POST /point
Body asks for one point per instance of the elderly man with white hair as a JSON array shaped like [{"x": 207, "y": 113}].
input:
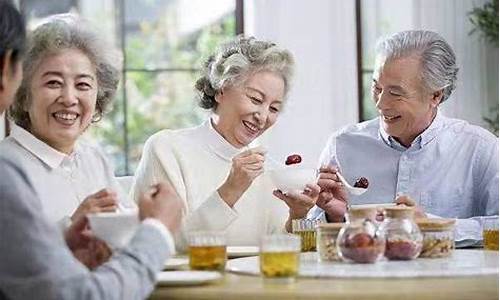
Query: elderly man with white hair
[{"x": 445, "y": 167}]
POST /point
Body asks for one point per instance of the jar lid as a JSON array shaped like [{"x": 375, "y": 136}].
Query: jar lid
[
  {"x": 362, "y": 212},
  {"x": 330, "y": 226},
  {"x": 304, "y": 224},
  {"x": 400, "y": 211},
  {"x": 426, "y": 224}
]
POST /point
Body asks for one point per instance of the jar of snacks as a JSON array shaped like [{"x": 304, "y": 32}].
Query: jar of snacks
[
  {"x": 326, "y": 241},
  {"x": 403, "y": 239},
  {"x": 359, "y": 239},
  {"x": 439, "y": 237},
  {"x": 306, "y": 229}
]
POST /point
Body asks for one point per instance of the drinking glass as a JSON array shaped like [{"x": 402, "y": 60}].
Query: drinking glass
[
  {"x": 490, "y": 233},
  {"x": 207, "y": 251},
  {"x": 280, "y": 257}
]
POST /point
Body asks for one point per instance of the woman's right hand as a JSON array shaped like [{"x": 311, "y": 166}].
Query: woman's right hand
[
  {"x": 104, "y": 200},
  {"x": 247, "y": 166}
]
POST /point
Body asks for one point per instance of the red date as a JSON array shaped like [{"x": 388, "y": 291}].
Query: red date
[
  {"x": 293, "y": 159},
  {"x": 362, "y": 182}
]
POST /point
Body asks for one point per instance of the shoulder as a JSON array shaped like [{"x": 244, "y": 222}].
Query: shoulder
[
  {"x": 10, "y": 148},
  {"x": 366, "y": 129},
  {"x": 469, "y": 133},
  {"x": 12, "y": 174},
  {"x": 168, "y": 138}
]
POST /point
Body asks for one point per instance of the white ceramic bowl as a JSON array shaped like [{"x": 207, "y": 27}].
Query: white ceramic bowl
[
  {"x": 292, "y": 179},
  {"x": 115, "y": 228}
]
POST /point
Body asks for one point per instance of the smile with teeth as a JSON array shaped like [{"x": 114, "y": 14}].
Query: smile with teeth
[
  {"x": 389, "y": 118},
  {"x": 65, "y": 116},
  {"x": 253, "y": 128}
]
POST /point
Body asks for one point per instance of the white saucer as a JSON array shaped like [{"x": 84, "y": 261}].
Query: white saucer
[
  {"x": 175, "y": 263},
  {"x": 242, "y": 251},
  {"x": 176, "y": 278}
]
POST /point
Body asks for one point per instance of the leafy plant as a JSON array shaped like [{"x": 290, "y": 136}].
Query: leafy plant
[{"x": 485, "y": 20}]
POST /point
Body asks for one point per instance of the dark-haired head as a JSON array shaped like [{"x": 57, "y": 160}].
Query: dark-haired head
[{"x": 12, "y": 43}]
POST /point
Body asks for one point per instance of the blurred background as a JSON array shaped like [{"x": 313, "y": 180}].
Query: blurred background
[{"x": 164, "y": 42}]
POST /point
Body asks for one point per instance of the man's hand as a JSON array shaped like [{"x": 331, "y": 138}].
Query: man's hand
[
  {"x": 332, "y": 197},
  {"x": 162, "y": 203},
  {"x": 104, "y": 200},
  {"x": 246, "y": 166},
  {"x": 406, "y": 200},
  {"x": 89, "y": 250}
]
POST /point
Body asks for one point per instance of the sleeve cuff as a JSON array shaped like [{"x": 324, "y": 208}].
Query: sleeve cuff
[
  {"x": 213, "y": 214},
  {"x": 164, "y": 232}
]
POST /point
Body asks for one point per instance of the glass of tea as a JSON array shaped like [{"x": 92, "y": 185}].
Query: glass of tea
[
  {"x": 207, "y": 251},
  {"x": 490, "y": 233},
  {"x": 280, "y": 257}
]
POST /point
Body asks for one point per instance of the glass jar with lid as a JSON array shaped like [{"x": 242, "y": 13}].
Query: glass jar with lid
[
  {"x": 438, "y": 237},
  {"x": 326, "y": 241},
  {"x": 403, "y": 239},
  {"x": 360, "y": 240},
  {"x": 306, "y": 229}
]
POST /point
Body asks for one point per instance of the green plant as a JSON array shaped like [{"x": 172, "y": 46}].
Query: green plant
[{"x": 485, "y": 20}]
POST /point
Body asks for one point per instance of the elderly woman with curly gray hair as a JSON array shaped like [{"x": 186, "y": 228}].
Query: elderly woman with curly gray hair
[
  {"x": 69, "y": 81},
  {"x": 217, "y": 167}
]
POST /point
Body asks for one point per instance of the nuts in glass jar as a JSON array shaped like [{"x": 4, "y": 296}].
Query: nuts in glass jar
[
  {"x": 326, "y": 241},
  {"x": 435, "y": 247},
  {"x": 439, "y": 240}
]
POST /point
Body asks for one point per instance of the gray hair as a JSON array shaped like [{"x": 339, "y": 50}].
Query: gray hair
[
  {"x": 439, "y": 68},
  {"x": 235, "y": 61},
  {"x": 62, "y": 32}
]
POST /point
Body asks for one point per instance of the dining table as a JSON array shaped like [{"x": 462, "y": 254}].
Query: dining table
[{"x": 241, "y": 286}]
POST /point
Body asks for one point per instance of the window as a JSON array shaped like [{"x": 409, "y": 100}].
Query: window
[
  {"x": 376, "y": 20},
  {"x": 163, "y": 43}
]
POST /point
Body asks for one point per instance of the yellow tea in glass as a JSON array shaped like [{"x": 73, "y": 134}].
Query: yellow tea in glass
[
  {"x": 306, "y": 229},
  {"x": 207, "y": 251},
  {"x": 490, "y": 233},
  {"x": 280, "y": 256}
]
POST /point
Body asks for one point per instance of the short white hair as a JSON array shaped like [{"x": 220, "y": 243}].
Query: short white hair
[{"x": 438, "y": 61}]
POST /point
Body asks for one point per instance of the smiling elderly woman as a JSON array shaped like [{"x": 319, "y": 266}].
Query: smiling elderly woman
[
  {"x": 215, "y": 167},
  {"x": 69, "y": 82}
]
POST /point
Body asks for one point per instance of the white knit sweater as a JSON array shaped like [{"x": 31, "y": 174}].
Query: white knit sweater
[{"x": 197, "y": 161}]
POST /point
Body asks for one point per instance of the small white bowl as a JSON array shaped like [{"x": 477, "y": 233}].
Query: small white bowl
[
  {"x": 115, "y": 228},
  {"x": 292, "y": 179}
]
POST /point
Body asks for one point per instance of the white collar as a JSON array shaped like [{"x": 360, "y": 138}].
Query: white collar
[
  {"x": 423, "y": 139},
  {"x": 217, "y": 143},
  {"x": 38, "y": 148}
]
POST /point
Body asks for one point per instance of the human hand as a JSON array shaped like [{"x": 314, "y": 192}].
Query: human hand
[
  {"x": 332, "y": 197},
  {"x": 299, "y": 202},
  {"x": 85, "y": 247},
  {"x": 406, "y": 200},
  {"x": 161, "y": 202},
  {"x": 246, "y": 166},
  {"x": 104, "y": 200}
]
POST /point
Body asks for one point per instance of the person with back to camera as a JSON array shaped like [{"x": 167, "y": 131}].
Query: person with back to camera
[{"x": 36, "y": 260}]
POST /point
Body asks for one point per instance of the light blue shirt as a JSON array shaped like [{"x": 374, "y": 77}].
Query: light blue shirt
[{"x": 450, "y": 170}]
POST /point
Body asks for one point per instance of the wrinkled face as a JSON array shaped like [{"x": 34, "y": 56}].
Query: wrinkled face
[
  {"x": 405, "y": 108},
  {"x": 64, "y": 94},
  {"x": 247, "y": 110}
]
